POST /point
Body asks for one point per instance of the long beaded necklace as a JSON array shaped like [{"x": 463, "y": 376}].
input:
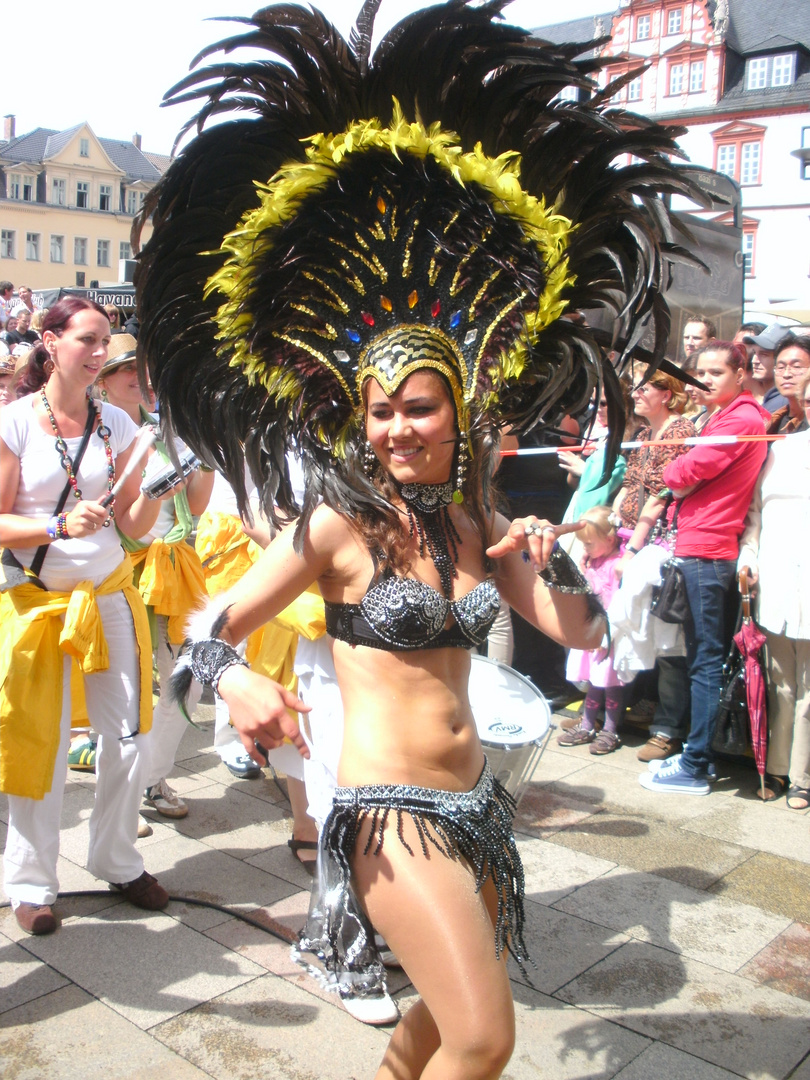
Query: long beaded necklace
[
  {"x": 103, "y": 433},
  {"x": 430, "y": 521}
]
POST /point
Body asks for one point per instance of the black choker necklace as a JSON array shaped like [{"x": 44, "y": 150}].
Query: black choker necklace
[{"x": 426, "y": 505}]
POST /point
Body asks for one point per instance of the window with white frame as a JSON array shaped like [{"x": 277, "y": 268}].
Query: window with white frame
[
  {"x": 757, "y": 73},
  {"x": 32, "y": 246},
  {"x": 59, "y": 191},
  {"x": 634, "y": 89},
  {"x": 124, "y": 249},
  {"x": 83, "y": 194},
  {"x": 103, "y": 253},
  {"x": 696, "y": 71},
  {"x": 8, "y": 239},
  {"x": 14, "y": 186},
  {"x": 749, "y": 162},
  {"x": 642, "y": 27},
  {"x": 105, "y": 196},
  {"x": 80, "y": 250},
  {"x": 749, "y": 240},
  {"x": 676, "y": 79},
  {"x": 568, "y": 93},
  {"x": 132, "y": 202},
  {"x": 674, "y": 21},
  {"x": 29, "y": 186},
  {"x": 782, "y": 71},
  {"x": 805, "y": 164},
  {"x": 762, "y": 71},
  {"x": 84, "y": 148},
  {"x": 57, "y": 249},
  {"x": 726, "y": 159}
]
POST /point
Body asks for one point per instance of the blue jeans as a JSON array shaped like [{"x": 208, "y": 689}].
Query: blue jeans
[{"x": 707, "y": 585}]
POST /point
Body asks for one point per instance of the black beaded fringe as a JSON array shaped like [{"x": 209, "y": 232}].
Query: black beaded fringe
[{"x": 474, "y": 825}]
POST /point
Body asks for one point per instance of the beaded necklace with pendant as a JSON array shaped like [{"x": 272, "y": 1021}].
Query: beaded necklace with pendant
[
  {"x": 430, "y": 522},
  {"x": 103, "y": 433}
]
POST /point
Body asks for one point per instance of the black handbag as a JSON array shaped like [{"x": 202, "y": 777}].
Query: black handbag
[
  {"x": 732, "y": 723},
  {"x": 669, "y": 601}
]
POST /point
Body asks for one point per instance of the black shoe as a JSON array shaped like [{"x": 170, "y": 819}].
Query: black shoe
[
  {"x": 564, "y": 697},
  {"x": 243, "y": 767}
]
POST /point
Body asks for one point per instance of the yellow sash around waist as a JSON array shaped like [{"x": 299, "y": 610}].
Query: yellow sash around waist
[
  {"x": 36, "y": 629},
  {"x": 171, "y": 582}
]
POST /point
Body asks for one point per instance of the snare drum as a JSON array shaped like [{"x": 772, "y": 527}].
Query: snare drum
[
  {"x": 513, "y": 721},
  {"x": 160, "y": 477}
]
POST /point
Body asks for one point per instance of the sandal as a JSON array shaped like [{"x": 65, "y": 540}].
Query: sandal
[
  {"x": 775, "y": 787},
  {"x": 297, "y": 846},
  {"x": 576, "y": 736},
  {"x": 798, "y": 795},
  {"x": 605, "y": 742}
]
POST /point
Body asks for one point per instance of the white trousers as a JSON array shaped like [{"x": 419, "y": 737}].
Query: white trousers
[
  {"x": 113, "y": 698},
  {"x": 789, "y": 708},
  {"x": 168, "y": 723}
]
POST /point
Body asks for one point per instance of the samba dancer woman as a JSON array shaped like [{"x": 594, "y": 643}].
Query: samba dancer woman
[{"x": 391, "y": 298}]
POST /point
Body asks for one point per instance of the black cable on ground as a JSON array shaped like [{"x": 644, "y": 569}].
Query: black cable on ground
[{"x": 180, "y": 900}]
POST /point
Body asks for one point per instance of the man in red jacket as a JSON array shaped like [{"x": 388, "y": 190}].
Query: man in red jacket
[{"x": 713, "y": 484}]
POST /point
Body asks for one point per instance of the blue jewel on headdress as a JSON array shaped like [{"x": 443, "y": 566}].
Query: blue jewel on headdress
[
  {"x": 455, "y": 319},
  {"x": 353, "y": 336}
]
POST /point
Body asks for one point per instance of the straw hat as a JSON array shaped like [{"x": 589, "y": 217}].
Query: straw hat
[{"x": 121, "y": 350}]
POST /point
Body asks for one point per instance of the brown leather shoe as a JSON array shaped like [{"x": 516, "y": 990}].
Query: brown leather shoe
[
  {"x": 35, "y": 918},
  {"x": 659, "y": 748},
  {"x": 144, "y": 892}
]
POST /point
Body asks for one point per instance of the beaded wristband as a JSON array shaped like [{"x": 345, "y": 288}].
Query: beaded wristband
[
  {"x": 561, "y": 574},
  {"x": 210, "y": 658},
  {"x": 61, "y": 527}
]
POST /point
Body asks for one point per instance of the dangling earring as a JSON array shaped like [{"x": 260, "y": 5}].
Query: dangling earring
[
  {"x": 369, "y": 460},
  {"x": 461, "y": 468},
  {"x": 104, "y": 393}
]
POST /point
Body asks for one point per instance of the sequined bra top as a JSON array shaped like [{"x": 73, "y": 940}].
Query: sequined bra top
[{"x": 401, "y": 613}]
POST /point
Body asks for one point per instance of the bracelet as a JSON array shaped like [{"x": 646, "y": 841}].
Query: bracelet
[
  {"x": 631, "y": 549},
  {"x": 50, "y": 528},
  {"x": 561, "y": 574},
  {"x": 61, "y": 528},
  {"x": 211, "y": 658}
]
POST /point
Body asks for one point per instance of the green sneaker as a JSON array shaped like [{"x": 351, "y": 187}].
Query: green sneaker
[{"x": 82, "y": 755}]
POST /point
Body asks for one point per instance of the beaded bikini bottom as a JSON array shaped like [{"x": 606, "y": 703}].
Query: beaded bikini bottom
[{"x": 473, "y": 825}]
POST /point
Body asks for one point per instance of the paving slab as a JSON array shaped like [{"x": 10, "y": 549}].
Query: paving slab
[
  {"x": 764, "y": 827},
  {"x": 23, "y": 977},
  {"x": 543, "y": 810},
  {"x": 68, "y": 1035},
  {"x": 562, "y": 947},
  {"x": 721, "y": 1018},
  {"x": 665, "y": 1063},
  {"x": 684, "y": 920},
  {"x": 231, "y": 820},
  {"x": 145, "y": 966},
  {"x": 774, "y": 884},
  {"x": 653, "y": 846},
  {"x": 273, "y": 1030},
  {"x": 554, "y": 1042},
  {"x": 552, "y": 872},
  {"x": 784, "y": 965}
]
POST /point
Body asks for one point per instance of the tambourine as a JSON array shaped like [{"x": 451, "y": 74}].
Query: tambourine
[{"x": 160, "y": 477}]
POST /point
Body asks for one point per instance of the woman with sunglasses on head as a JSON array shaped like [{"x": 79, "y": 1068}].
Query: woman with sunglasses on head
[{"x": 75, "y": 600}]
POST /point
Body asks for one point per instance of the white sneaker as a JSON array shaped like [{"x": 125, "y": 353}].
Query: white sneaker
[
  {"x": 379, "y": 1009},
  {"x": 165, "y": 800}
]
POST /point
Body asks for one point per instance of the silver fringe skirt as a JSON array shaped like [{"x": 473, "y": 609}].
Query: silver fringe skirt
[{"x": 473, "y": 825}]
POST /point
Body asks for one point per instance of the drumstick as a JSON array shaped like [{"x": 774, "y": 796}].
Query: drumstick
[{"x": 143, "y": 444}]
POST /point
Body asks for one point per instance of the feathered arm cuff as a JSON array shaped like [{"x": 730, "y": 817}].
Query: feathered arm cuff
[
  {"x": 206, "y": 656},
  {"x": 562, "y": 574}
]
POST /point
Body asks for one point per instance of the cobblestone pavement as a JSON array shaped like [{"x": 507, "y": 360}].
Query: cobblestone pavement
[{"x": 671, "y": 936}]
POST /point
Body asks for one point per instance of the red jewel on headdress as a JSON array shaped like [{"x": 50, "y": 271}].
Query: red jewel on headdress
[
  {"x": 386, "y": 304},
  {"x": 436, "y": 308},
  {"x": 367, "y": 318}
]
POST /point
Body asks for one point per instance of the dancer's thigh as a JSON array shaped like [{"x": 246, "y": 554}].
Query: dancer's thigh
[{"x": 442, "y": 932}]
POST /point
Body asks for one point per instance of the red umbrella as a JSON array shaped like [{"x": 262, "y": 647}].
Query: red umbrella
[{"x": 749, "y": 640}]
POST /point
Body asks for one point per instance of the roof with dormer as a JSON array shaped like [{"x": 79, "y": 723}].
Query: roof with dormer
[{"x": 43, "y": 144}]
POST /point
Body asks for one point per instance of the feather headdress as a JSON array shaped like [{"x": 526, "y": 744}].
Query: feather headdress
[{"x": 437, "y": 204}]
